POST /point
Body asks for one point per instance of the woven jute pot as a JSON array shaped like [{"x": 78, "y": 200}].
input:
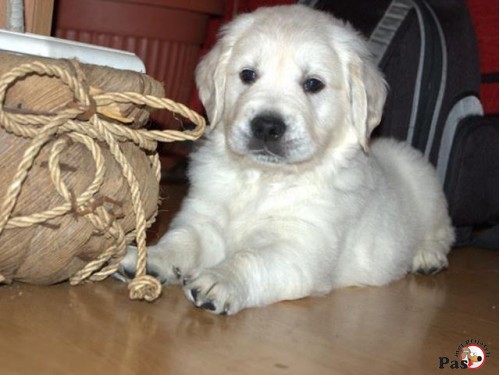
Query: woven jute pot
[{"x": 79, "y": 172}]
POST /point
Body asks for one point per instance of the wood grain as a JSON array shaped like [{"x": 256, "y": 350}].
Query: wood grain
[
  {"x": 37, "y": 16},
  {"x": 402, "y": 328}
]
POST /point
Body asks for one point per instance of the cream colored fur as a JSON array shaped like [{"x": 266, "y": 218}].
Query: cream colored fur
[{"x": 327, "y": 209}]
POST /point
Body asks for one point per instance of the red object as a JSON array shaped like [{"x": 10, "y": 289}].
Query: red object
[
  {"x": 249, "y": 5},
  {"x": 484, "y": 15}
]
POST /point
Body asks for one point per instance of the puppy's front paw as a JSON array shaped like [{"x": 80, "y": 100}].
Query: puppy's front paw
[
  {"x": 215, "y": 291},
  {"x": 178, "y": 254},
  {"x": 127, "y": 269}
]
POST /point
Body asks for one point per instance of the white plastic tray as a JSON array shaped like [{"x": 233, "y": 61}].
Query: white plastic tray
[{"x": 37, "y": 45}]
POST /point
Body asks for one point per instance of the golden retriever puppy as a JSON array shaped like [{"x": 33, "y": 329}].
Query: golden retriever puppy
[{"x": 288, "y": 197}]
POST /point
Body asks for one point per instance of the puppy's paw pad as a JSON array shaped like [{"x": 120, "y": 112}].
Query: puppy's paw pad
[{"x": 215, "y": 293}]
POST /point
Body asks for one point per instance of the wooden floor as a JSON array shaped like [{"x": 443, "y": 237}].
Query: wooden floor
[{"x": 400, "y": 329}]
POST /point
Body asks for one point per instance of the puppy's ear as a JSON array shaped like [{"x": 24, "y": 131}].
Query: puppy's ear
[
  {"x": 211, "y": 71},
  {"x": 210, "y": 80},
  {"x": 367, "y": 93}
]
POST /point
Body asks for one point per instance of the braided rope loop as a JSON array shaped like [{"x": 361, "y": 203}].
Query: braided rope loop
[{"x": 87, "y": 122}]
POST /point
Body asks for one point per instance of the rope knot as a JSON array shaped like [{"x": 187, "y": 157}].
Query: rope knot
[
  {"x": 86, "y": 111},
  {"x": 144, "y": 287}
]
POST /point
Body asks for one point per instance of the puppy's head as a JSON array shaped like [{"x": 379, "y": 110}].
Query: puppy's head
[{"x": 286, "y": 84}]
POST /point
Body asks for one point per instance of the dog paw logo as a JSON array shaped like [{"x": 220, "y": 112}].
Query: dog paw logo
[
  {"x": 473, "y": 355},
  {"x": 469, "y": 355}
]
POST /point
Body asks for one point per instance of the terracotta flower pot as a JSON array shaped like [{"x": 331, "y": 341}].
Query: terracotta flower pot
[{"x": 166, "y": 34}]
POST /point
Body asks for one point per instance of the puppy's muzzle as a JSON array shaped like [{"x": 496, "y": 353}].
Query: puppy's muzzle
[{"x": 267, "y": 134}]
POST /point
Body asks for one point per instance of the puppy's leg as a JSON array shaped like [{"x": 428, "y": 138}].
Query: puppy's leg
[
  {"x": 258, "y": 277},
  {"x": 193, "y": 242}
]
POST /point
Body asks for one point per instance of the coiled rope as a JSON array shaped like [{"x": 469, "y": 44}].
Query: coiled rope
[{"x": 90, "y": 119}]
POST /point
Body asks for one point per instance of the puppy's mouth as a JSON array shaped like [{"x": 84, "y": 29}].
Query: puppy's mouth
[{"x": 266, "y": 156}]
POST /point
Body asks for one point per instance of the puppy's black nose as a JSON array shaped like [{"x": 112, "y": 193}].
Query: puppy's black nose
[{"x": 268, "y": 127}]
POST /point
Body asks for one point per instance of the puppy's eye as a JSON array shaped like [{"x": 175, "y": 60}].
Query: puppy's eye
[
  {"x": 313, "y": 85},
  {"x": 248, "y": 76}
]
